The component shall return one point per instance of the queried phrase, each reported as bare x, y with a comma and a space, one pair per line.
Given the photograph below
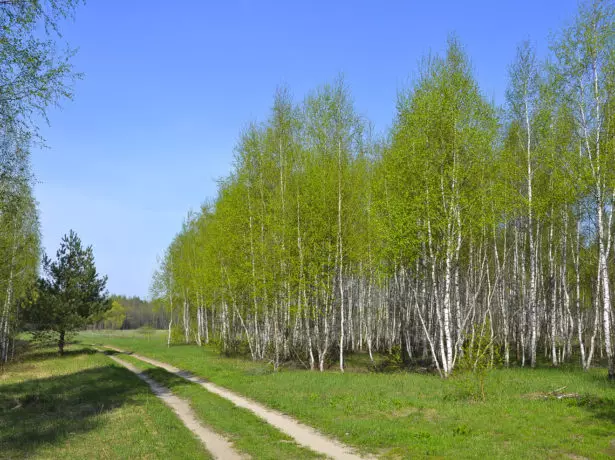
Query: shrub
478, 357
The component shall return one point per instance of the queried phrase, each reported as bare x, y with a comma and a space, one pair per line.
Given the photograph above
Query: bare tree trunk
5, 320
577, 270
199, 325
606, 296
592, 341
169, 333
552, 290
186, 319
61, 342
340, 254
532, 298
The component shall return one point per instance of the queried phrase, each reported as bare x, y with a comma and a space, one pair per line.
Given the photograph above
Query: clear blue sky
169, 85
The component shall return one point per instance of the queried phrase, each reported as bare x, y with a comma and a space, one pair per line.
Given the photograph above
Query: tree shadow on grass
47, 354
110, 352
601, 408
171, 381
47, 411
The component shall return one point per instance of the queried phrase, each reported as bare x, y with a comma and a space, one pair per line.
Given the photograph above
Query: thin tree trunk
61, 342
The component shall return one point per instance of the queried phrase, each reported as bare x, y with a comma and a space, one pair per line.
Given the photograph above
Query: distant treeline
133, 313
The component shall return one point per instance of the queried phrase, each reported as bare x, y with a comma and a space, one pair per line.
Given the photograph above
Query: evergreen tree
71, 294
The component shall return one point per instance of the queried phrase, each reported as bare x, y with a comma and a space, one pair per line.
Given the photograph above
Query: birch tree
584, 54
465, 224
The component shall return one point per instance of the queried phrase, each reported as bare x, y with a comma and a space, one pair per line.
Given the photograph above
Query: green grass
248, 433
83, 405
402, 415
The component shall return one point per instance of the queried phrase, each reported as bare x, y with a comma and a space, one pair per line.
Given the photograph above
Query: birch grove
35, 73
19, 239
466, 219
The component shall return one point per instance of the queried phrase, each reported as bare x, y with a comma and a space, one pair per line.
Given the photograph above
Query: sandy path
302, 434
219, 447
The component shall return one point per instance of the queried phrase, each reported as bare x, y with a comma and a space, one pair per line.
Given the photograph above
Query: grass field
400, 415
83, 405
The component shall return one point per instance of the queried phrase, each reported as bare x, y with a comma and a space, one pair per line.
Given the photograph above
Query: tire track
302, 434
218, 446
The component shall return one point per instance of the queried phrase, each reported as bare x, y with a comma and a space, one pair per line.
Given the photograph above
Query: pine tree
71, 294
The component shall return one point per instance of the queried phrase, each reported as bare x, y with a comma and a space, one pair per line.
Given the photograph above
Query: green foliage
19, 235
478, 357
71, 294
115, 316
140, 313
49, 338
392, 362
446, 130
34, 73
177, 335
